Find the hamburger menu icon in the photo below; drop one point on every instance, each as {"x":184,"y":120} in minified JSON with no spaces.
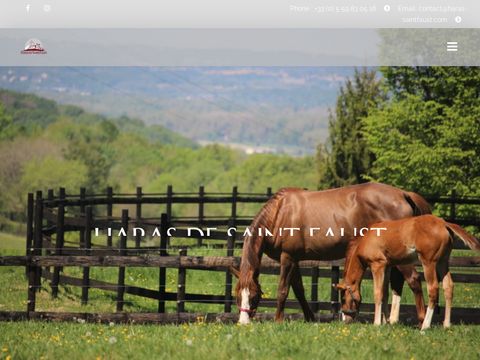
{"x":33,"y":46}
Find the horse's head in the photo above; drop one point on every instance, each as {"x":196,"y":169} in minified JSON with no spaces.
{"x":248,"y":293}
{"x":351,"y":301}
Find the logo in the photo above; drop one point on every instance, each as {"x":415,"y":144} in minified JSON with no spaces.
{"x":33,"y":46}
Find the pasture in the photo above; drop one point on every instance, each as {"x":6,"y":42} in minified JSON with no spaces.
{"x":22,"y":340}
{"x":292,"y":339}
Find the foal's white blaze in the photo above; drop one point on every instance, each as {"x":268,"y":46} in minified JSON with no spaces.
{"x":395,"y":310}
{"x":428,"y":318}
{"x":244,"y":316}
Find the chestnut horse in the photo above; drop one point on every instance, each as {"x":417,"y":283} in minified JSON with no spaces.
{"x":426,"y":237}
{"x":336,"y":214}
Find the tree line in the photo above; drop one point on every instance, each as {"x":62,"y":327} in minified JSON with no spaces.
{"x":417,"y":128}
{"x":412,"y":127}
{"x":45,"y":145}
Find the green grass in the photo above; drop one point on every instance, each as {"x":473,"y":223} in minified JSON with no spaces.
{"x":11,"y":242}
{"x":28,"y":340}
{"x":294,"y":339}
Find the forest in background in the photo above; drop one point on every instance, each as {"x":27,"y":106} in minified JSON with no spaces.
{"x":415,"y":128}
{"x":45,"y":145}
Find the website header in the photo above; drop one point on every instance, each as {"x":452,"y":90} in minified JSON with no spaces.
{"x":240,"y":14}
{"x":237,"y":47}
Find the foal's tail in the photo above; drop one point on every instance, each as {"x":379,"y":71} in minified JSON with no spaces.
{"x":471,"y":241}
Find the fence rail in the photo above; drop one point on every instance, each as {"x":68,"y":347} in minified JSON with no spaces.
{"x":48,"y":253}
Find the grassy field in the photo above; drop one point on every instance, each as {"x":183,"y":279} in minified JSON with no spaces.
{"x":26,"y":340}
{"x":215,"y":341}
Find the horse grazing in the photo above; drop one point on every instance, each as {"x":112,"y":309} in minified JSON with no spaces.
{"x":318,"y":225}
{"x":426,"y":237}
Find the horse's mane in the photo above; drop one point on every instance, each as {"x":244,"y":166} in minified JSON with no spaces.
{"x":253,"y":244}
{"x":351,"y":249}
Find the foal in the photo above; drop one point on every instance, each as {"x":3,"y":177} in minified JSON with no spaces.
{"x":426,"y":237}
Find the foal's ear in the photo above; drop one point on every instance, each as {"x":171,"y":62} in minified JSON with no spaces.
{"x":234,"y":271}
{"x":339,"y":286}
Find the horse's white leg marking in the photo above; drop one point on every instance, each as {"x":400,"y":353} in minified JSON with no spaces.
{"x":448,"y":314}
{"x":395,"y":310}
{"x":343,"y":316}
{"x":378,"y":272}
{"x":245,"y":316}
{"x":428,"y":318}
{"x":448,"y":294}
{"x":378,"y":314}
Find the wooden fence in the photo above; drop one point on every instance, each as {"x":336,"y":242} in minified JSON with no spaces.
{"x":49,"y":219}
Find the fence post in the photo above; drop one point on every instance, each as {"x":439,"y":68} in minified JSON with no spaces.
{"x":63,"y":196}
{"x":314,"y":289}
{"x":109,"y":212}
{"x":49,"y":223}
{"x":169,"y":201}
{"x":453,"y":212}
{"x":234,"y":203}
{"x":87,"y":252}
{"x":162,"y":272}
{"x":123,"y":252}
{"x":169,"y":207}
{"x":83,"y":193}
{"x":228,"y":274}
{"x":182,"y":276}
{"x":138,"y":216}
{"x":31,"y":270}
{"x":29,"y":238}
{"x":38,"y":237}
{"x":269,"y":192}
{"x":59,"y":241}
{"x":50,"y":196}
{"x":334,"y":292}
{"x":201,"y":208}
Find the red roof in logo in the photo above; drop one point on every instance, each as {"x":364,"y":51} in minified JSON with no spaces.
{"x":33,"y":46}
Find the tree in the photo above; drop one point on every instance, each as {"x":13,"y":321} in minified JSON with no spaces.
{"x":426,"y":137}
{"x":52,"y":173}
{"x":442,"y":84}
{"x":346,"y":158}
{"x":91,"y":145}
{"x":14,"y":155}
{"x":5,"y":124}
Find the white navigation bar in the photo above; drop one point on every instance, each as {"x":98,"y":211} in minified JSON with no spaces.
{"x":240,"y":14}
{"x":238,"y":47}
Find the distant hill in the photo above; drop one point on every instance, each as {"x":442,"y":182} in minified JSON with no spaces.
{"x":44,"y":145}
{"x":31,"y":112}
{"x":284,"y":109}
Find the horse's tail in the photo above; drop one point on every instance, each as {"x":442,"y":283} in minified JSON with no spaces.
{"x":471,"y":241}
{"x":419,"y":205}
